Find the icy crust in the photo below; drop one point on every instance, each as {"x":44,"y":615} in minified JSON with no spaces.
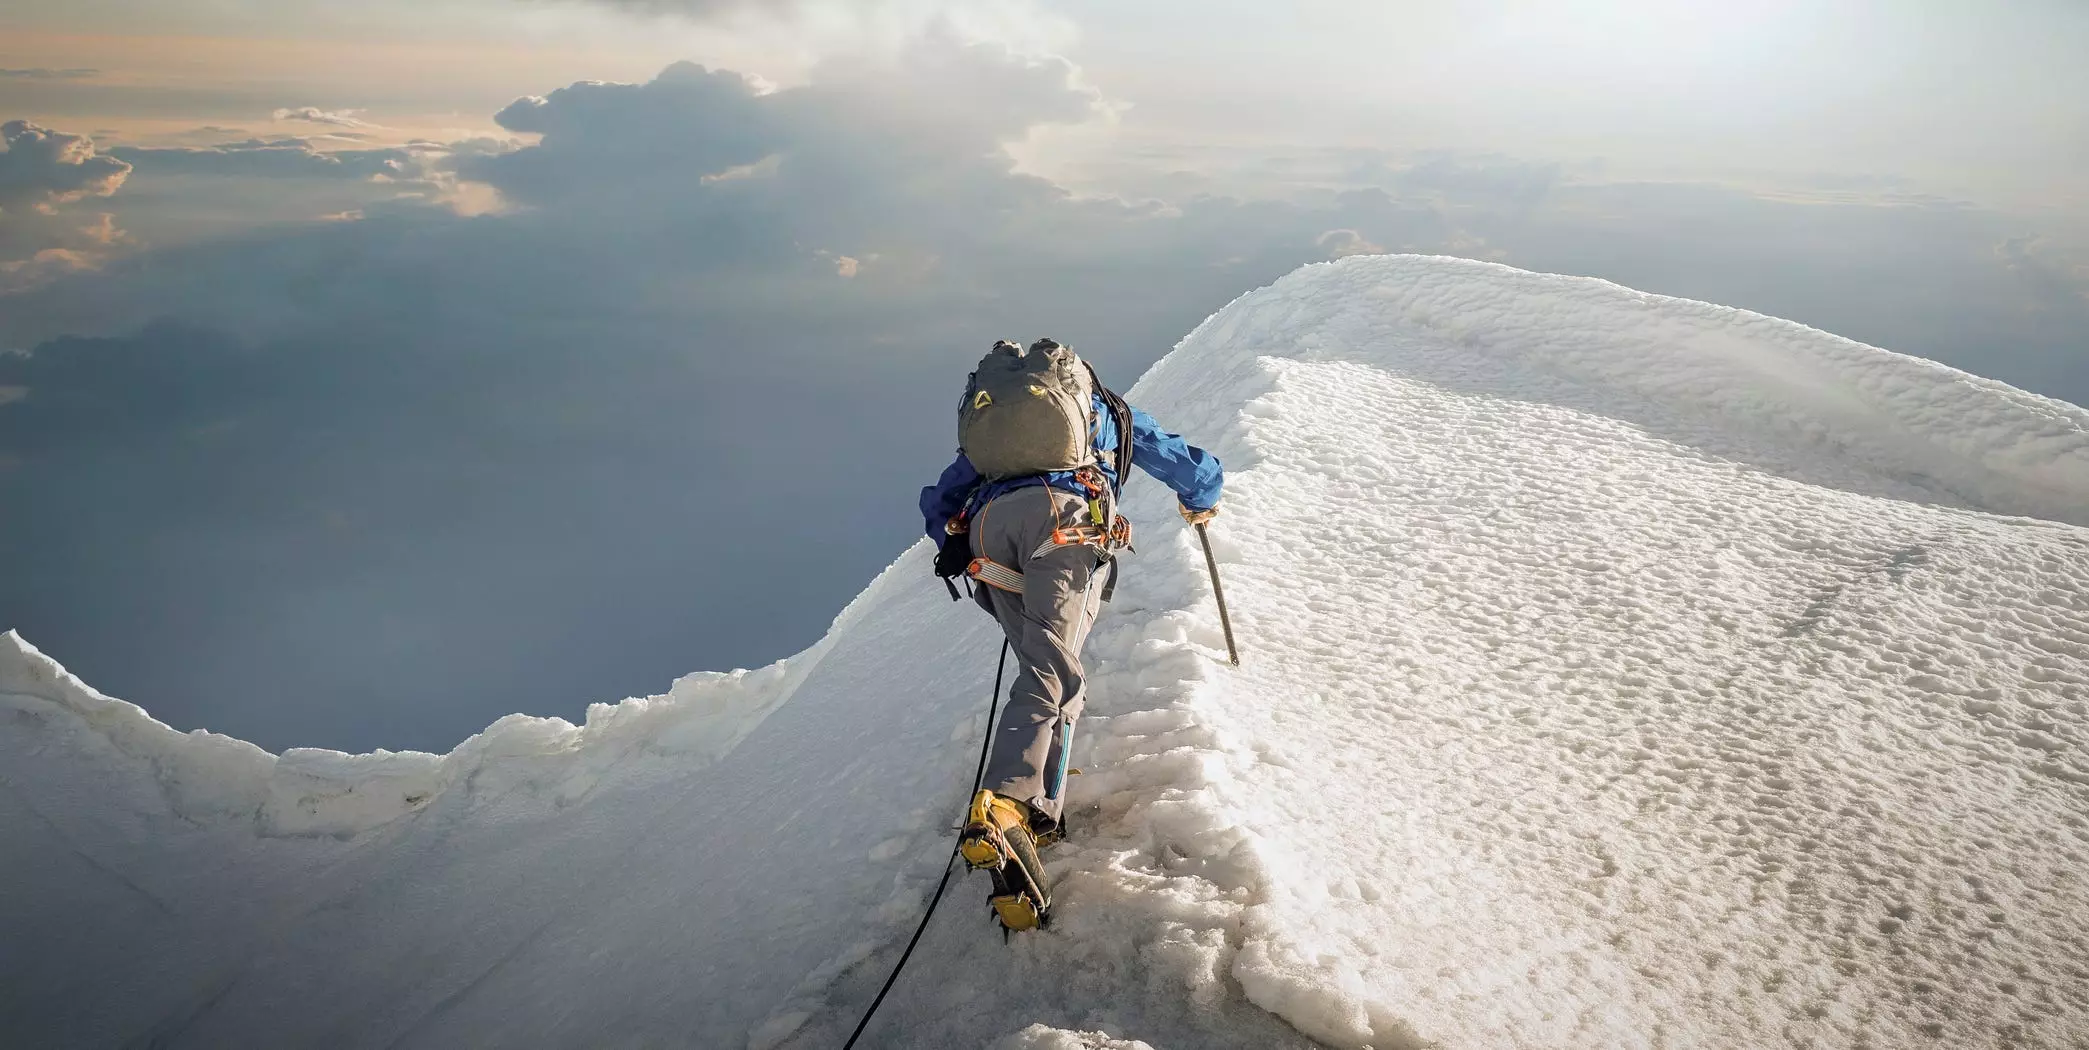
{"x":1574,"y":716}
{"x":519,"y":766}
{"x":529,"y":764}
{"x":1042,"y":1037}
{"x":204,"y":774}
{"x":1924,"y":429}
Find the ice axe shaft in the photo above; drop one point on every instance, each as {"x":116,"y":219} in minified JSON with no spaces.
{"x":1218,"y":591}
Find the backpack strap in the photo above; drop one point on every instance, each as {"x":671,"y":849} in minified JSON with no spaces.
{"x":1120,"y":414}
{"x":1117,"y":531}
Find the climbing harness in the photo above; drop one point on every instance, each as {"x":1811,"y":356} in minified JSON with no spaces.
{"x":993,"y":708}
{"x":1107,"y":542}
{"x":995,"y":575}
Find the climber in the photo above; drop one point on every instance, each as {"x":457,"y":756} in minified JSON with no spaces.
{"x":1027,"y":512}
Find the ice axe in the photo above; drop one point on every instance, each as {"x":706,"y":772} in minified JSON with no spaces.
{"x":1219,"y":592}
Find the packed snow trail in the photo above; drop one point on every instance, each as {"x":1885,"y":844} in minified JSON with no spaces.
{"x":1619,"y":671}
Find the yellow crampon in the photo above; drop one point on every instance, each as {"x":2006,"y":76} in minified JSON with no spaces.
{"x":985,"y":841}
{"x":998,"y":840}
{"x":1017,"y":912}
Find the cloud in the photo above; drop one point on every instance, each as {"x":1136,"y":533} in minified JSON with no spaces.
{"x":1341,"y":243}
{"x":686,"y":123}
{"x":42,"y":172}
{"x":905,"y":150}
{"x":845,"y":266}
{"x":47,"y":264}
{"x":38,"y":248}
{"x":315,"y":115}
{"x":181,"y":194}
{"x":276,"y":158}
{"x":2051,"y":278}
{"x":41,"y":167}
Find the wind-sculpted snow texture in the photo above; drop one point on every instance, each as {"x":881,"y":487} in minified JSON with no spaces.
{"x":1619,"y":671}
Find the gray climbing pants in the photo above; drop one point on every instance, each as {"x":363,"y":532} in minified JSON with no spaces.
{"x":1046,"y":622}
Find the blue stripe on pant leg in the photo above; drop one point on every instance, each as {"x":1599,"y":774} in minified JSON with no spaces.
{"x":1066,"y":750}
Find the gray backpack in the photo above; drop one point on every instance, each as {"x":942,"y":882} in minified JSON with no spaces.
{"x":1028,"y":412}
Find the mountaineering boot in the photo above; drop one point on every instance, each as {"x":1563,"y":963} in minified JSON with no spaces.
{"x":997,"y":838}
{"x":985,"y":842}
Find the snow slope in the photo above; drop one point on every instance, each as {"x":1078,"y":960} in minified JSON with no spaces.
{"x":1620,"y":671}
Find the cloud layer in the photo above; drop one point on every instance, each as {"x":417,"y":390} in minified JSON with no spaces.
{"x":288,"y":158}
{"x":315,"y":115}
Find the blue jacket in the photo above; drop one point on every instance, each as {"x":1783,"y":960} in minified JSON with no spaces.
{"x":1193,"y":473}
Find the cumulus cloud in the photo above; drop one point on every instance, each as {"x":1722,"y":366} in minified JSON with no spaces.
{"x":315,"y":115}
{"x":42,"y":167}
{"x":42,"y":173}
{"x":902,"y":155}
{"x":686,"y":123}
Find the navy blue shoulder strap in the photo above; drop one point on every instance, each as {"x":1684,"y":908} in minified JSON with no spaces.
{"x":1120,"y":414}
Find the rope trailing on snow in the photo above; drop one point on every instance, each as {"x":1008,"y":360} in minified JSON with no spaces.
{"x":992,"y":708}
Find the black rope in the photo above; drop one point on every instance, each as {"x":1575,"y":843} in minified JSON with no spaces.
{"x":992,"y":708}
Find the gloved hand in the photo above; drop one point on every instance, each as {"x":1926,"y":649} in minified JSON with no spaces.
{"x":1197,"y":517}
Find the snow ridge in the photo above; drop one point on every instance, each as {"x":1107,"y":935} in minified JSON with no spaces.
{"x":1527,"y":660}
{"x":531,"y":765}
{"x":1619,"y":671}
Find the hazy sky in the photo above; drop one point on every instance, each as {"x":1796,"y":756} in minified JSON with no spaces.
{"x":1970,"y":96}
{"x":369,"y":371}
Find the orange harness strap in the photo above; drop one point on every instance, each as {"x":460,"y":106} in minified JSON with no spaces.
{"x":995,"y":575}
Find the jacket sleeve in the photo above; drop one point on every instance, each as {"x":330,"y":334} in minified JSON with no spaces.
{"x":1193,"y":473}
{"x":941,"y":501}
